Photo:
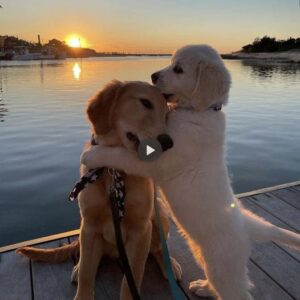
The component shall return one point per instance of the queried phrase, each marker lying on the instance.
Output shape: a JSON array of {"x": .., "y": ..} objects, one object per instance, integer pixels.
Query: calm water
[{"x": 43, "y": 128}]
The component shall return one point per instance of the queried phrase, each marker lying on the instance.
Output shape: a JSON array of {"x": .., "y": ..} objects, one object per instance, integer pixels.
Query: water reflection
[
  {"x": 42, "y": 71},
  {"x": 3, "y": 109},
  {"x": 76, "y": 71},
  {"x": 267, "y": 69},
  {"x": 30, "y": 64}
]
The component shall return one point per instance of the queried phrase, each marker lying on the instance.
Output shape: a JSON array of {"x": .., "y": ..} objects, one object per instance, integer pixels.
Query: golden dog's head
[{"x": 124, "y": 113}]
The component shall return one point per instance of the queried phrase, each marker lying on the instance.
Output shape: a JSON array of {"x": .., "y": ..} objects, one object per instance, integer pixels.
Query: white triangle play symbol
[{"x": 149, "y": 150}]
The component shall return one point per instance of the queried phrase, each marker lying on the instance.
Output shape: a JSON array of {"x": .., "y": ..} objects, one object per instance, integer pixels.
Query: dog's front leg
[
  {"x": 137, "y": 248},
  {"x": 90, "y": 254}
]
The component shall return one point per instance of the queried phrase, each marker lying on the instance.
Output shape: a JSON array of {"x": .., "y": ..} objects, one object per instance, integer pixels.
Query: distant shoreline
[
  {"x": 282, "y": 57},
  {"x": 265, "y": 57},
  {"x": 292, "y": 56},
  {"x": 128, "y": 54}
]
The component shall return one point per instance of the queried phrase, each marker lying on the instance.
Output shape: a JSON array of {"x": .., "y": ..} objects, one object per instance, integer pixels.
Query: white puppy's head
[{"x": 197, "y": 78}]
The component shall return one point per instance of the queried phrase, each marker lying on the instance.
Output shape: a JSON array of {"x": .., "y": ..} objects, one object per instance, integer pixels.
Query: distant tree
[
  {"x": 57, "y": 44},
  {"x": 13, "y": 42},
  {"x": 269, "y": 44}
]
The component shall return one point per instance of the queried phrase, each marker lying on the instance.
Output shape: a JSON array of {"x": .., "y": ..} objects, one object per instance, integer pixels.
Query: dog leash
[
  {"x": 177, "y": 290},
  {"x": 118, "y": 190}
]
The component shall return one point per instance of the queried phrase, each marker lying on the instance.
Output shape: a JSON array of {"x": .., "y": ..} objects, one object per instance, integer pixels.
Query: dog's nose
[
  {"x": 165, "y": 141},
  {"x": 155, "y": 77}
]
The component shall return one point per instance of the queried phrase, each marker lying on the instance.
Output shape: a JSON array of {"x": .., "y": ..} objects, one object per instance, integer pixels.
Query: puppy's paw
[
  {"x": 74, "y": 275},
  {"x": 84, "y": 158},
  {"x": 90, "y": 158},
  {"x": 177, "y": 271},
  {"x": 200, "y": 288}
]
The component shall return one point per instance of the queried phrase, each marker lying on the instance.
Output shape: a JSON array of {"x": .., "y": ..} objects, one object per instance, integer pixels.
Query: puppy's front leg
[
  {"x": 137, "y": 248},
  {"x": 119, "y": 158}
]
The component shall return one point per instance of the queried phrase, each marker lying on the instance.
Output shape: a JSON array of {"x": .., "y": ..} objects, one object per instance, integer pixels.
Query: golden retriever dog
[
  {"x": 194, "y": 175},
  {"x": 122, "y": 114}
]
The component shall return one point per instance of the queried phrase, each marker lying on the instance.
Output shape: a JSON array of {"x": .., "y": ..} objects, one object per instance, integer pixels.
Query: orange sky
[{"x": 151, "y": 26}]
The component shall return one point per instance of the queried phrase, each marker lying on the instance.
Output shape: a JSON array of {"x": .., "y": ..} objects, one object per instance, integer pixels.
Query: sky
[{"x": 156, "y": 26}]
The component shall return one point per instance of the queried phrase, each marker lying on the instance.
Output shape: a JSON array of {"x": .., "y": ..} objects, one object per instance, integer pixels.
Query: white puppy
[{"x": 194, "y": 176}]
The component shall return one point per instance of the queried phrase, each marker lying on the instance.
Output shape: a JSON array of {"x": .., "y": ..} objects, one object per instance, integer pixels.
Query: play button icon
[{"x": 149, "y": 149}]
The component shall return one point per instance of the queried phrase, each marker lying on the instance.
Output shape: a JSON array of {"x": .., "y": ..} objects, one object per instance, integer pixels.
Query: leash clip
[{"x": 111, "y": 172}]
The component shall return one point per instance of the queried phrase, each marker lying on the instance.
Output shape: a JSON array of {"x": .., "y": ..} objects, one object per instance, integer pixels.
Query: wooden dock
[{"x": 274, "y": 269}]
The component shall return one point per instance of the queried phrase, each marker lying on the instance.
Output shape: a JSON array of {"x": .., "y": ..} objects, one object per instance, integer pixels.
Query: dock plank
[
  {"x": 53, "y": 281},
  {"x": 296, "y": 187},
  {"x": 15, "y": 279},
  {"x": 280, "y": 263},
  {"x": 288, "y": 195},
  {"x": 261, "y": 212},
  {"x": 274, "y": 269},
  {"x": 280, "y": 266},
  {"x": 192, "y": 272},
  {"x": 279, "y": 209},
  {"x": 156, "y": 287},
  {"x": 109, "y": 278},
  {"x": 265, "y": 288}
]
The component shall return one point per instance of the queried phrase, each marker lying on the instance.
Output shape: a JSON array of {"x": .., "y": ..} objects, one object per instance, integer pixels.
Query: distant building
[{"x": 2, "y": 41}]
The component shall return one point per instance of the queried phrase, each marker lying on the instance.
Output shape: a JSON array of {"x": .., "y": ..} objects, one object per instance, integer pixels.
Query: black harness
[{"x": 117, "y": 189}]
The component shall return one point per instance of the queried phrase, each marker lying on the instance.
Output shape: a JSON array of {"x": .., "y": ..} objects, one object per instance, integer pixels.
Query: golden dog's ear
[
  {"x": 101, "y": 106},
  {"x": 212, "y": 85}
]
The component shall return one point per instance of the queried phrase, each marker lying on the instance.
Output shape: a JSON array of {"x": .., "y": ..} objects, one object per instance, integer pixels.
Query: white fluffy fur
[{"x": 194, "y": 176}]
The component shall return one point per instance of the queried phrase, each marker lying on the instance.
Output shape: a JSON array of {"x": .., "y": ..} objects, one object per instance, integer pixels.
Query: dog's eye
[
  {"x": 130, "y": 136},
  {"x": 146, "y": 103},
  {"x": 178, "y": 70}
]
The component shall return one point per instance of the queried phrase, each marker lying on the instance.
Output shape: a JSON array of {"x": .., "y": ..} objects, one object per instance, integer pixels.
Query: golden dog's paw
[
  {"x": 200, "y": 288},
  {"x": 177, "y": 271}
]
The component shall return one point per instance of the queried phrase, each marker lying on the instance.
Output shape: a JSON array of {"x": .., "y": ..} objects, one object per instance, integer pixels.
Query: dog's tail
[
  {"x": 54, "y": 255},
  {"x": 263, "y": 231}
]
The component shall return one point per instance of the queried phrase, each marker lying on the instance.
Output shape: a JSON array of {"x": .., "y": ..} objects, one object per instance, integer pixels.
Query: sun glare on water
[{"x": 76, "y": 71}]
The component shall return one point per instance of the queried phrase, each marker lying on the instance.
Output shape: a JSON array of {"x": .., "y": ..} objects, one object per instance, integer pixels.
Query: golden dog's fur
[{"x": 113, "y": 112}]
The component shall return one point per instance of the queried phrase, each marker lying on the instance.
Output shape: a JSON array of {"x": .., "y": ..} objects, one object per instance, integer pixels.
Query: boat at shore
[
  {"x": 27, "y": 56},
  {"x": 23, "y": 54},
  {"x": 6, "y": 56}
]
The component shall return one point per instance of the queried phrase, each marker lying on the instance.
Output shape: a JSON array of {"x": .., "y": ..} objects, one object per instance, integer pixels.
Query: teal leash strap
[{"x": 175, "y": 290}]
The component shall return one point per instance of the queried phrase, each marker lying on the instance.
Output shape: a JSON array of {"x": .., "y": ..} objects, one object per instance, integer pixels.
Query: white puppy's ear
[{"x": 212, "y": 85}]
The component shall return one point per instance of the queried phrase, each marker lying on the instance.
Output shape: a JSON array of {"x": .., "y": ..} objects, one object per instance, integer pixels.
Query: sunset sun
[{"x": 75, "y": 41}]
